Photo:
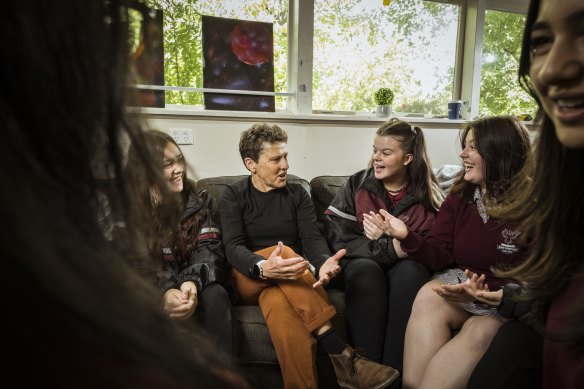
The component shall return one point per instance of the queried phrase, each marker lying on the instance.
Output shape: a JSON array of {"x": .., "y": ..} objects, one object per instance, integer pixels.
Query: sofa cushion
[
  {"x": 253, "y": 342},
  {"x": 323, "y": 189},
  {"x": 446, "y": 175},
  {"x": 215, "y": 185}
]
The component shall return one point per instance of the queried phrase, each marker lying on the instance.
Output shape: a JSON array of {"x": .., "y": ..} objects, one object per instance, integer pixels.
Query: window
[
  {"x": 500, "y": 90},
  {"x": 335, "y": 54},
  {"x": 183, "y": 65},
  {"x": 360, "y": 45}
]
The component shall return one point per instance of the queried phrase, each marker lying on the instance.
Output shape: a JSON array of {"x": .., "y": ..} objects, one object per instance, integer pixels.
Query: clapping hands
[{"x": 376, "y": 224}]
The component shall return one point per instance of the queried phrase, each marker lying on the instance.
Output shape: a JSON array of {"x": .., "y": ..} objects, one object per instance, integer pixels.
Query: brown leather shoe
[{"x": 357, "y": 372}]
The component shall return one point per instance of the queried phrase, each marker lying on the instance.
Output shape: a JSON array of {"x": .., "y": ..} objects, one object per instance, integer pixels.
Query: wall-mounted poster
[
  {"x": 147, "y": 59},
  {"x": 238, "y": 54}
]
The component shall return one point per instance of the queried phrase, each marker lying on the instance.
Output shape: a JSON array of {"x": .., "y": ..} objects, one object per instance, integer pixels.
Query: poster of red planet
[
  {"x": 147, "y": 60},
  {"x": 238, "y": 54}
]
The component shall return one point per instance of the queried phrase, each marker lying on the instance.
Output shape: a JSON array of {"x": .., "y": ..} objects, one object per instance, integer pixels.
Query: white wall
[{"x": 339, "y": 148}]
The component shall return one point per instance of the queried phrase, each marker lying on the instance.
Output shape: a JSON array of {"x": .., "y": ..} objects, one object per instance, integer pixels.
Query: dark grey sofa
[{"x": 253, "y": 347}]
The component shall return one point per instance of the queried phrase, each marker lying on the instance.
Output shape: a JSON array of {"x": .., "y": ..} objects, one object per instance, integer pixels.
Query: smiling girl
[
  {"x": 549, "y": 201},
  {"x": 380, "y": 283},
  {"x": 494, "y": 150},
  {"x": 183, "y": 240}
]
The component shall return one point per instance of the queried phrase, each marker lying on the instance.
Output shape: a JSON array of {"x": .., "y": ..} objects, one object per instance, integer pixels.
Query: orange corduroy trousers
[{"x": 293, "y": 309}]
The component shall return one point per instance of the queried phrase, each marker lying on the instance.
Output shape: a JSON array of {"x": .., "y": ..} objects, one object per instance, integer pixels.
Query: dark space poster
[
  {"x": 147, "y": 61},
  {"x": 238, "y": 54}
]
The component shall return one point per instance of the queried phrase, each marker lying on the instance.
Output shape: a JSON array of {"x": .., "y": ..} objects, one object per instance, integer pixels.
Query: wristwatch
[{"x": 258, "y": 270}]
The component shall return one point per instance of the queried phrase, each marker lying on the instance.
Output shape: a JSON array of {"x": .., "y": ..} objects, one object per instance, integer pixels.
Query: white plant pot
[{"x": 383, "y": 110}]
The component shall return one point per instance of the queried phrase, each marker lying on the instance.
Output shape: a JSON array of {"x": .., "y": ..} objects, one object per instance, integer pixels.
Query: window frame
[
  {"x": 471, "y": 31},
  {"x": 467, "y": 67},
  {"x": 467, "y": 74}
]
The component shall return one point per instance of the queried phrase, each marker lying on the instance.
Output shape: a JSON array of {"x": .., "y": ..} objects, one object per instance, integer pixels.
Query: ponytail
[{"x": 423, "y": 183}]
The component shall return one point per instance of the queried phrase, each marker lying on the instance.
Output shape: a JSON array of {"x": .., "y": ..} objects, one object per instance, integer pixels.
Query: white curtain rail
[{"x": 211, "y": 90}]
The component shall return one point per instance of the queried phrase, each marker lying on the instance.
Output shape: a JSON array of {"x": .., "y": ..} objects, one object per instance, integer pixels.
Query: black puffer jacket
[
  {"x": 196, "y": 255},
  {"x": 361, "y": 194}
]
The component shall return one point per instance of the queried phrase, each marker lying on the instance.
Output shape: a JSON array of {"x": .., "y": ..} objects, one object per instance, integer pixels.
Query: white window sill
[{"x": 287, "y": 117}]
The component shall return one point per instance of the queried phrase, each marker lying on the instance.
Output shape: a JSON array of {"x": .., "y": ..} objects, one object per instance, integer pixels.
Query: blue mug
[{"x": 454, "y": 108}]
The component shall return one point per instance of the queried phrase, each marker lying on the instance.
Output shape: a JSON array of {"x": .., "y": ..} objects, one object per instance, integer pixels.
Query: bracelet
[
  {"x": 508, "y": 304},
  {"x": 261, "y": 271}
]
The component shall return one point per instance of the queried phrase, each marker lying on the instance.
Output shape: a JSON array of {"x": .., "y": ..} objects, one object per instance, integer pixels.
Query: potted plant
[{"x": 383, "y": 98}]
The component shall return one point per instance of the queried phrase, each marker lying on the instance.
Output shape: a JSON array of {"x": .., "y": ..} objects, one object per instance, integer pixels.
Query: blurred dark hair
[
  {"x": 73, "y": 310},
  {"x": 549, "y": 203}
]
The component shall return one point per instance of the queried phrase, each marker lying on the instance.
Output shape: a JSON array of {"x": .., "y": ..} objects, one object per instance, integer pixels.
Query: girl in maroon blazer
[{"x": 463, "y": 237}]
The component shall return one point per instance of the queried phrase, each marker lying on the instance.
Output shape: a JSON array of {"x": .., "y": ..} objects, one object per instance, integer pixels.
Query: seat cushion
[
  {"x": 323, "y": 189},
  {"x": 253, "y": 343},
  {"x": 446, "y": 175}
]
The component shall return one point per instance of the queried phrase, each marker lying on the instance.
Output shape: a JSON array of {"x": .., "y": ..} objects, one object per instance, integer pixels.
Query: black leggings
[
  {"x": 513, "y": 360},
  {"x": 378, "y": 304},
  {"x": 213, "y": 315}
]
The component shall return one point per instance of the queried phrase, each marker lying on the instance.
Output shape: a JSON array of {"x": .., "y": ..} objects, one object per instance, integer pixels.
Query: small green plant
[{"x": 383, "y": 96}]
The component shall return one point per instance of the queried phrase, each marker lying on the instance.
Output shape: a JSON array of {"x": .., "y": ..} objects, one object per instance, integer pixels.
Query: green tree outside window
[{"x": 501, "y": 93}]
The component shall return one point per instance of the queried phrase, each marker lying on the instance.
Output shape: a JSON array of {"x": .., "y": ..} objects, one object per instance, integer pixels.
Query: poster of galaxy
[
  {"x": 147, "y": 61},
  {"x": 238, "y": 54}
]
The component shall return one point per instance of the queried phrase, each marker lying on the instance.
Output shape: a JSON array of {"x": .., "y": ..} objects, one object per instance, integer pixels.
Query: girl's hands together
[
  {"x": 386, "y": 223},
  {"x": 181, "y": 304}
]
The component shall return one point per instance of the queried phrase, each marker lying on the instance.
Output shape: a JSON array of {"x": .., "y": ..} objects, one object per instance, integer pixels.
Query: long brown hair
[
  {"x": 549, "y": 203},
  {"x": 504, "y": 145},
  {"x": 421, "y": 178},
  {"x": 162, "y": 210}
]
